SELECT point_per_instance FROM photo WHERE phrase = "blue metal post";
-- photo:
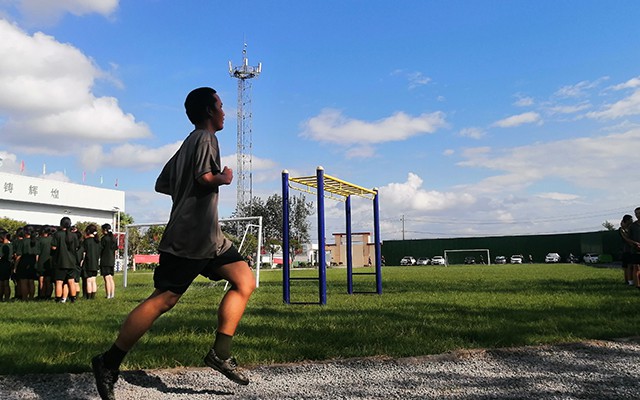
(347, 209)
(322, 266)
(376, 228)
(286, 293)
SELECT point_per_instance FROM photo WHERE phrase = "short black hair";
(197, 103)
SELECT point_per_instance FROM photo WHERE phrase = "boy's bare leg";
(142, 317)
(235, 301)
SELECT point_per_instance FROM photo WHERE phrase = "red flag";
(22, 166)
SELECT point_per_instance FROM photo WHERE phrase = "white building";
(44, 202)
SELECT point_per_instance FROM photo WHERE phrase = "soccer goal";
(467, 256)
(249, 227)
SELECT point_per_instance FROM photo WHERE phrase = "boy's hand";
(228, 175)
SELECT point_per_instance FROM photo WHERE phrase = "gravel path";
(591, 370)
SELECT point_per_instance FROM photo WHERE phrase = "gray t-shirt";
(193, 230)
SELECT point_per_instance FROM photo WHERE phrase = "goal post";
(457, 256)
(250, 223)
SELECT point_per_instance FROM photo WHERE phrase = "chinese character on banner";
(33, 190)
(55, 193)
(8, 187)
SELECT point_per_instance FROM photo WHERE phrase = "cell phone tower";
(243, 174)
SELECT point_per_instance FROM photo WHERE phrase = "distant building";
(361, 248)
(44, 202)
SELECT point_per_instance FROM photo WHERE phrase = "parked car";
(516, 259)
(591, 258)
(423, 261)
(469, 260)
(500, 260)
(572, 259)
(438, 260)
(552, 258)
(408, 260)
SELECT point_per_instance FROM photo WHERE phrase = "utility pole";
(402, 219)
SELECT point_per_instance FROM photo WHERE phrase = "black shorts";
(633, 258)
(106, 270)
(89, 274)
(176, 273)
(60, 274)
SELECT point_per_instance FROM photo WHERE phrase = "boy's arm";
(163, 182)
(210, 179)
(625, 236)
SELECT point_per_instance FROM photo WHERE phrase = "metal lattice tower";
(243, 173)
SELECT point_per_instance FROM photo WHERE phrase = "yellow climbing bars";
(336, 188)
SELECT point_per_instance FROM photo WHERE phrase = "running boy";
(192, 245)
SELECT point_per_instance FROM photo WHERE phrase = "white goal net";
(248, 231)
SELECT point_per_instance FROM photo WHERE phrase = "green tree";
(11, 225)
(271, 213)
(299, 225)
(608, 226)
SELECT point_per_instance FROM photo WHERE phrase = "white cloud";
(630, 84)
(579, 89)
(333, 127)
(56, 176)
(569, 109)
(410, 196)
(563, 197)
(8, 162)
(127, 156)
(622, 108)
(524, 101)
(448, 152)
(50, 11)
(599, 158)
(517, 120)
(46, 96)
(474, 133)
(416, 79)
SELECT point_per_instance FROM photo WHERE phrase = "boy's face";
(217, 118)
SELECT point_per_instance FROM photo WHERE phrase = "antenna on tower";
(244, 73)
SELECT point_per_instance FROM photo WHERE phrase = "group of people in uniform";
(630, 234)
(55, 260)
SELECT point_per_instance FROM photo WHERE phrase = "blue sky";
(473, 118)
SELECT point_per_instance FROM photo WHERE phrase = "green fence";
(536, 246)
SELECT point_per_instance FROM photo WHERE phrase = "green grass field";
(423, 310)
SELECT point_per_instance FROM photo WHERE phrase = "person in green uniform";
(64, 246)
(192, 245)
(77, 272)
(26, 263)
(90, 260)
(108, 247)
(6, 262)
(44, 269)
(19, 237)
